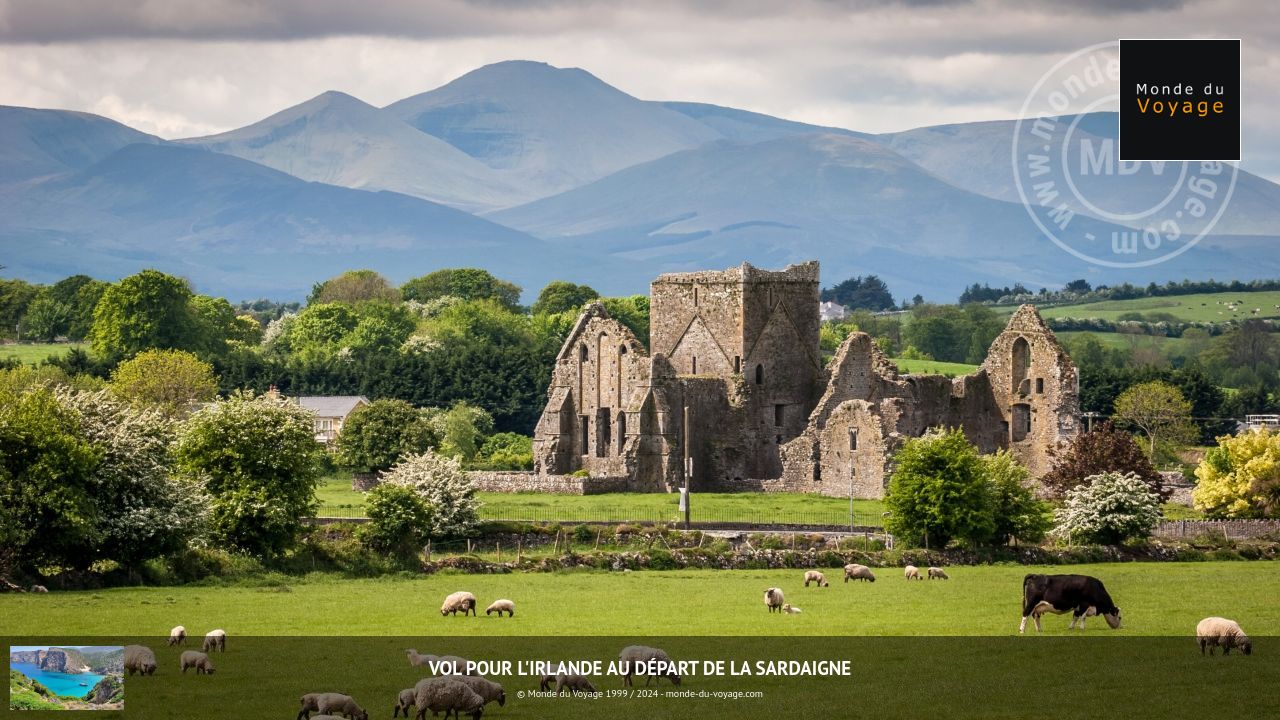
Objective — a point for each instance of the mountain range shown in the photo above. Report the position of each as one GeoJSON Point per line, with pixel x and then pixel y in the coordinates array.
{"type": "Point", "coordinates": [540, 173]}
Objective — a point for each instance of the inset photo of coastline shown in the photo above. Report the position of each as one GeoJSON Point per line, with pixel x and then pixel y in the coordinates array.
{"type": "Point", "coordinates": [89, 677]}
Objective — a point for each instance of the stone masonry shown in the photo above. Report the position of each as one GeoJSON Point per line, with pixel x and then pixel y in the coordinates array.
{"type": "Point", "coordinates": [737, 352]}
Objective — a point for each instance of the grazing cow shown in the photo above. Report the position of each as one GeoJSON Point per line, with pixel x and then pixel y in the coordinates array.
{"type": "Point", "coordinates": [1081, 595]}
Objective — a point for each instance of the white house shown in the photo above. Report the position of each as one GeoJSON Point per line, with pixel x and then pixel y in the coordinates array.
{"type": "Point", "coordinates": [331, 412]}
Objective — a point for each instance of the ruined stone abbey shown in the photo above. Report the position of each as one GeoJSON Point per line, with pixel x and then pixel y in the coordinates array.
{"type": "Point", "coordinates": [736, 352]}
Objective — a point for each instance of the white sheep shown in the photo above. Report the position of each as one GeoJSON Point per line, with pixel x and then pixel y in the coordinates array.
{"type": "Point", "coordinates": [197, 660]}
{"type": "Point", "coordinates": [791, 609]}
{"type": "Point", "coordinates": [484, 687]}
{"type": "Point", "coordinates": [447, 694]}
{"type": "Point", "coordinates": [404, 701]}
{"type": "Point", "coordinates": [417, 659]}
{"type": "Point", "coordinates": [461, 601]}
{"type": "Point", "coordinates": [139, 659]}
{"type": "Point", "coordinates": [911, 572]}
{"type": "Point", "coordinates": [177, 636]}
{"type": "Point", "coordinates": [815, 576]}
{"type": "Point", "coordinates": [331, 703]}
{"type": "Point", "coordinates": [633, 656]}
{"type": "Point", "coordinates": [501, 606]}
{"type": "Point", "coordinates": [938, 574]}
{"type": "Point", "coordinates": [574, 684]}
{"type": "Point", "coordinates": [1213, 632]}
{"type": "Point", "coordinates": [39, 589]}
{"type": "Point", "coordinates": [215, 640]}
{"type": "Point", "coordinates": [854, 571]}
{"type": "Point", "coordinates": [773, 599]}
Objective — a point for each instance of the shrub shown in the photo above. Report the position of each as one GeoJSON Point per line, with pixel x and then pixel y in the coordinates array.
{"type": "Point", "coordinates": [169, 380]}
{"type": "Point", "coordinates": [506, 451]}
{"type": "Point", "coordinates": [939, 492]}
{"type": "Point", "coordinates": [1016, 511]}
{"type": "Point", "coordinates": [1112, 508]}
{"type": "Point", "coordinates": [399, 519]}
{"type": "Point", "coordinates": [445, 490]}
{"type": "Point", "coordinates": [1241, 477]}
{"type": "Point", "coordinates": [1105, 449]}
{"type": "Point", "coordinates": [377, 435]}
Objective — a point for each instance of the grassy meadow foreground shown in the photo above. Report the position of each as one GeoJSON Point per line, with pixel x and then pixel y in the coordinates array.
{"type": "Point", "coordinates": [1157, 599]}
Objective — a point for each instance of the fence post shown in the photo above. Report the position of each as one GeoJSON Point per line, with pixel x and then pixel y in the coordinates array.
{"type": "Point", "coordinates": [499, 548]}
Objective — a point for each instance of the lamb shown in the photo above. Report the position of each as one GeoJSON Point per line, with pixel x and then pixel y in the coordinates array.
{"type": "Point", "coordinates": [215, 640]}
{"type": "Point", "coordinates": [911, 572]}
{"type": "Point", "coordinates": [501, 606]}
{"type": "Point", "coordinates": [815, 576]}
{"type": "Point", "coordinates": [574, 684]}
{"type": "Point", "coordinates": [791, 609]}
{"type": "Point", "coordinates": [331, 703]}
{"type": "Point", "coordinates": [938, 574]}
{"type": "Point", "coordinates": [177, 636]}
{"type": "Point", "coordinates": [405, 701]}
{"type": "Point", "coordinates": [139, 659]}
{"type": "Point", "coordinates": [417, 659]}
{"type": "Point", "coordinates": [447, 694]}
{"type": "Point", "coordinates": [39, 589]}
{"type": "Point", "coordinates": [773, 599]}
{"type": "Point", "coordinates": [639, 655]}
{"type": "Point", "coordinates": [1213, 632]}
{"type": "Point", "coordinates": [460, 601]}
{"type": "Point", "coordinates": [485, 688]}
{"type": "Point", "coordinates": [858, 572]}
{"type": "Point", "coordinates": [197, 660]}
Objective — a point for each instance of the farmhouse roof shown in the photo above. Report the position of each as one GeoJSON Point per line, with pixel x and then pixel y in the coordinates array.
{"type": "Point", "coordinates": [332, 406]}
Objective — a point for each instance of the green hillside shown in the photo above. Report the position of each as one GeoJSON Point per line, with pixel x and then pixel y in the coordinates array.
{"type": "Point", "coordinates": [27, 694]}
{"type": "Point", "coordinates": [933, 367]}
{"type": "Point", "coordinates": [32, 353]}
{"type": "Point", "coordinates": [1203, 307]}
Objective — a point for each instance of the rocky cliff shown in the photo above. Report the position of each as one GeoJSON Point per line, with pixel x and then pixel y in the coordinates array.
{"type": "Point", "coordinates": [63, 660]}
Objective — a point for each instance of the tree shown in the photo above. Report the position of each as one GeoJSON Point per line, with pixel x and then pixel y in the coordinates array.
{"type": "Point", "coordinates": [46, 318]}
{"type": "Point", "coordinates": [320, 328]}
{"type": "Point", "coordinates": [1104, 449]}
{"type": "Point", "coordinates": [1159, 411]}
{"type": "Point", "coordinates": [445, 490]}
{"type": "Point", "coordinates": [400, 521]}
{"type": "Point", "coordinates": [869, 293]}
{"type": "Point", "coordinates": [1016, 511]}
{"type": "Point", "coordinates": [15, 296]}
{"type": "Point", "coordinates": [464, 283]}
{"type": "Point", "coordinates": [144, 311]}
{"type": "Point", "coordinates": [939, 491]}
{"type": "Point", "coordinates": [462, 430]}
{"type": "Point", "coordinates": [1111, 509]}
{"type": "Point", "coordinates": [1240, 478]}
{"type": "Point", "coordinates": [353, 287]}
{"type": "Point", "coordinates": [257, 458]}
{"type": "Point", "coordinates": [632, 311]}
{"type": "Point", "coordinates": [377, 435]}
{"type": "Point", "coordinates": [560, 296]}
{"type": "Point", "coordinates": [1078, 286]}
{"type": "Point", "coordinates": [506, 451]}
{"type": "Point", "coordinates": [172, 381]}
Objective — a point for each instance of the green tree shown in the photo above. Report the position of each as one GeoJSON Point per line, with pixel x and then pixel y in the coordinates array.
{"type": "Point", "coordinates": [320, 328]}
{"type": "Point", "coordinates": [1104, 449]}
{"type": "Point", "coordinates": [1016, 511]}
{"type": "Point", "coordinates": [1240, 478]}
{"type": "Point", "coordinates": [462, 430]}
{"type": "Point", "coordinates": [464, 283]}
{"type": "Point", "coordinates": [46, 318]}
{"type": "Point", "coordinates": [632, 311]}
{"type": "Point", "coordinates": [866, 293]}
{"type": "Point", "coordinates": [171, 381]}
{"type": "Point", "coordinates": [1159, 412]}
{"type": "Point", "coordinates": [1109, 510]}
{"type": "Point", "coordinates": [447, 492]}
{"type": "Point", "coordinates": [400, 520]}
{"type": "Point", "coordinates": [377, 435]}
{"type": "Point", "coordinates": [560, 296]}
{"type": "Point", "coordinates": [144, 311]}
{"type": "Point", "coordinates": [506, 451]}
{"type": "Point", "coordinates": [15, 296]}
{"type": "Point", "coordinates": [258, 460]}
{"type": "Point", "coordinates": [353, 287]}
{"type": "Point", "coordinates": [939, 492]}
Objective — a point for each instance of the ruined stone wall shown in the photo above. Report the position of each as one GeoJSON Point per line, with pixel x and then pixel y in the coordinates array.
{"type": "Point", "coordinates": [530, 481]}
{"type": "Point", "coordinates": [704, 306]}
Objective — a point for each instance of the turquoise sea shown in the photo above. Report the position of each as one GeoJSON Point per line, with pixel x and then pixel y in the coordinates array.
{"type": "Point", "coordinates": [59, 683]}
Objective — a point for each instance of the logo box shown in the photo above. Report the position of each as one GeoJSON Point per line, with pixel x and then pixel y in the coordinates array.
{"type": "Point", "coordinates": [1180, 100]}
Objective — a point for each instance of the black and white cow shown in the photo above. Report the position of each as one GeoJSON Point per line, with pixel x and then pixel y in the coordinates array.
{"type": "Point", "coordinates": [1080, 595]}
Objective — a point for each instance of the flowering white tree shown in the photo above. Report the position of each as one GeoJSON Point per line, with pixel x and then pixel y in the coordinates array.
{"type": "Point", "coordinates": [445, 489]}
{"type": "Point", "coordinates": [1109, 509]}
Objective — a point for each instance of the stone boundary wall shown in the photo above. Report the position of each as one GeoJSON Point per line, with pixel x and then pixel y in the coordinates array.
{"type": "Point", "coordinates": [1231, 529]}
{"type": "Point", "coordinates": [512, 481]}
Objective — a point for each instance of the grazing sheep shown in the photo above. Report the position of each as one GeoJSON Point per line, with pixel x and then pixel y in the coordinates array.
{"type": "Point", "coordinates": [139, 659]}
{"type": "Point", "coordinates": [459, 665]}
{"type": "Point", "coordinates": [416, 659]}
{"type": "Point", "coordinates": [501, 606]}
{"type": "Point", "coordinates": [937, 573]}
{"type": "Point", "coordinates": [197, 660]}
{"type": "Point", "coordinates": [574, 684]}
{"type": "Point", "coordinates": [545, 682]}
{"type": "Point", "coordinates": [215, 640]}
{"type": "Point", "coordinates": [177, 636]}
{"type": "Point", "coordinates": [815, 576]}
{"type": "Point", "coordinates": [485, 688]}
{"type": "Point", "coordinates": [447, 694]}
{"type": "Point", "coordinates": [858, 572]}
{"type": "Point", "coordinates": [633, 655]}
{"type": "Point", "coordinates": [911, 572]}
{"type": "Point", "coordinates": [1213, 632]}
{"type": "Point", "coordinates": [773, 599]}
{"type": "Point", "coordinates": [791, 609]}
{"type": "Point", "coordinates": [39, 589]}
{"type": "Point", "coordinates": [405, 701]}
{"type": "Point", "coordinates": [331, 704]}
{"type": "Point", "coordinates": [461, 601]}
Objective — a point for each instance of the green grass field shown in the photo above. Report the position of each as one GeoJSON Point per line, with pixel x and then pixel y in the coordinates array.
{"type": "Point", "coordinates": [1167, 346]}
{"type": "Point", "coordinates": [934, 367]}
{"type": "Point", "coordinates": [1204, 307]}
{"type": "Point", "coordinates": [32, 353]}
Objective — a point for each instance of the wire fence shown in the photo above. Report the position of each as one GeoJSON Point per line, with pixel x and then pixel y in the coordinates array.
{"type": "Point", "coordinates": [650, 516]}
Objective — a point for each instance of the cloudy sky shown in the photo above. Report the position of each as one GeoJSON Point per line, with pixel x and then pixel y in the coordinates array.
{"type": "Point", "coordinates": [178, 68]}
